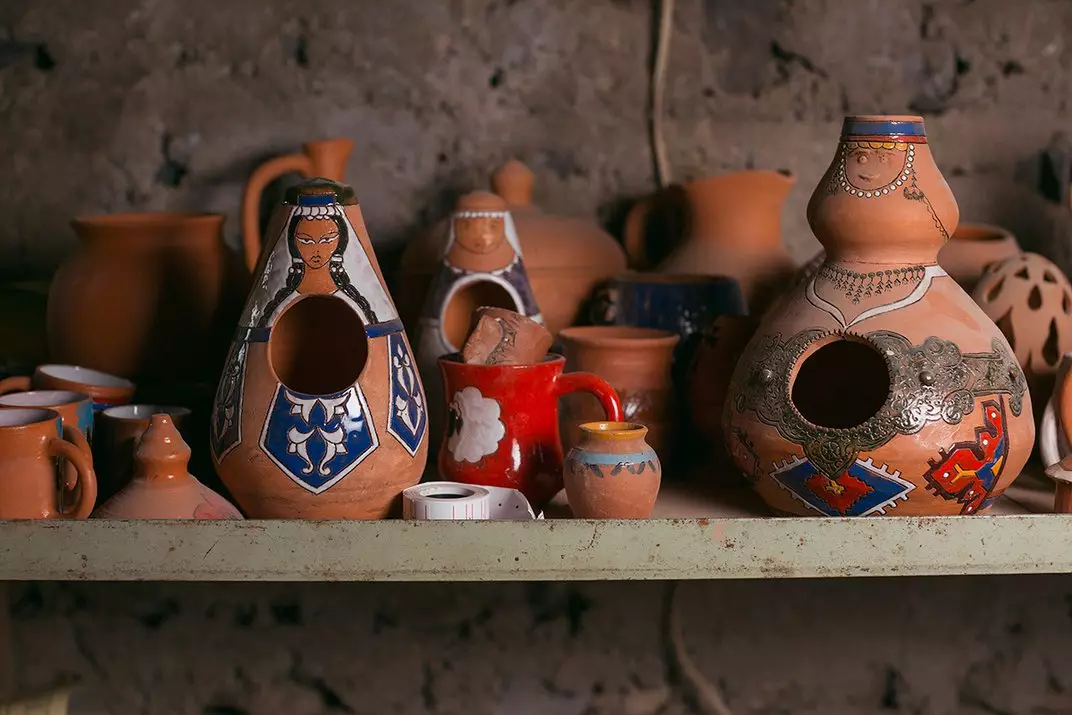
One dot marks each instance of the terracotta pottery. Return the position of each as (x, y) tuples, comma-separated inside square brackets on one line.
[(481, 266), (636, 362), (74, 408), (105, 390), (503, 426), (880, 387), (721, 345), (565, 257), (320, 412), (723, 225), (325, 159), (31, 442), (162, 487), (149, 296), (503, 337), (612, 473), (1030, 299), (973, 247), (118, 432), (1052, 444)]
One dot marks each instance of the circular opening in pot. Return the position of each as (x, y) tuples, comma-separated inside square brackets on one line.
[(458, 312), (318, 346), (841, 385)]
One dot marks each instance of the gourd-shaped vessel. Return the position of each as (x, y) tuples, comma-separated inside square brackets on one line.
[(320, 412), (878, 386)]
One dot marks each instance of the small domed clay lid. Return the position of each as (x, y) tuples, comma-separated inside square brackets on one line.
[(162, 453), (480, 202), (513, 181)]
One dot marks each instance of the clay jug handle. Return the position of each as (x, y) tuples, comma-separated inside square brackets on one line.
[(633, 234), (19, 383), (258, 181), (587, 382), (71, 449)]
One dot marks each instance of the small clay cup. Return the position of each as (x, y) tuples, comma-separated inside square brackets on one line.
[(31, 440), (118, 431), (104, 389), (75, 408), (612, 473)]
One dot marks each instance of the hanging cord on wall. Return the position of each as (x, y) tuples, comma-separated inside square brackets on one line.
[(704, 694), (658, 88)]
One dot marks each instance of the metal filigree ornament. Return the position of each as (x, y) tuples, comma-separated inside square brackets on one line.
[(928, 382)]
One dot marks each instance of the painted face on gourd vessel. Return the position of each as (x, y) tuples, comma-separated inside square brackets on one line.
[(479, 234), (875, 168), (316, 241)]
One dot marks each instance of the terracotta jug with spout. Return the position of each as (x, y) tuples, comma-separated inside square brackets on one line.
[(149, 296), (722, 225), (878, 387), (325, 159)]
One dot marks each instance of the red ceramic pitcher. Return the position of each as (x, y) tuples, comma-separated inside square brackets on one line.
[(502, 428)]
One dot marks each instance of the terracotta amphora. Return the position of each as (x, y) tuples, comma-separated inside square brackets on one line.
[(325, 159), (612, 472), (1030, 299), (31, 442), (162, 488), (320, 412), (729, 225), (565, 257), (972, 248), (879, 386), (149, 296)]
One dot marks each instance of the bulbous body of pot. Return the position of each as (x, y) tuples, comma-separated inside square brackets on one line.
[(148, 296), (612, 472), (878, 386), (320, 413)]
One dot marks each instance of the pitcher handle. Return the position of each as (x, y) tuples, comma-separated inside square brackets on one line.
[(71, 449), (258, 181), (19, 383), (594, 384)]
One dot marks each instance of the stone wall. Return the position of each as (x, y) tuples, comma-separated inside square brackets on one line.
[(119, 105)]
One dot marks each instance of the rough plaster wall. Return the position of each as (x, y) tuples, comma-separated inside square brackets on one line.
[(957, 646), (114, 105)]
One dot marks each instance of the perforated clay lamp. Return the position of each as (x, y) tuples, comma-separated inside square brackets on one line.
[(1030, 299), (320, 412), (162, 488), (878, 386)]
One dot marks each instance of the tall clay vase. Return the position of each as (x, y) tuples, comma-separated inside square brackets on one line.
[(162, 488), (325, 159), (880, 387), (636, 362), (729, 224), (612, 472), (320, 412), (972, 248), (566, 257), (148, 296)]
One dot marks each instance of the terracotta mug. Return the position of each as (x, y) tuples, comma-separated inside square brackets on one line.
[(74, 408), (105, 390), (31, 439), (502, 427), (118, 431)]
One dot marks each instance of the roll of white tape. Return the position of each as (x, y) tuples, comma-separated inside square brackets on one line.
[(446, 500)]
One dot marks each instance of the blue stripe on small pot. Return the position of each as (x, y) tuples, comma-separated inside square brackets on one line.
[(878, 126)]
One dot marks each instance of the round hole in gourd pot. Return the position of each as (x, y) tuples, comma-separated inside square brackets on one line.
[(841, 384), (318, 346), (458, 312)]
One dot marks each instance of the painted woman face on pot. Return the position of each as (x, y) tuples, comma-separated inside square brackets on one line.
[(316, 240), (873, 165), (481, 234)]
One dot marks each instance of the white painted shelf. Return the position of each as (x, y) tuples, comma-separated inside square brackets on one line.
[(713, 535)]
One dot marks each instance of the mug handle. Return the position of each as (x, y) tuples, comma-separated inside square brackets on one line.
[(258, 181), (70, 449), (19, 383), (587, 382)]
